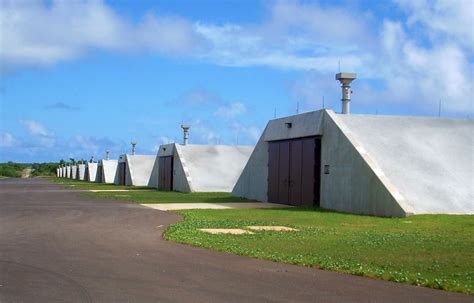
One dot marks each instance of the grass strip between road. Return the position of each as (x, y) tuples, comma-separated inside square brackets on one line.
[(144, 195), (155, 197), (86, 185), (429, 250)]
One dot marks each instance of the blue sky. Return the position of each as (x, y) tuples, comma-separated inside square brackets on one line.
[(82, 77)]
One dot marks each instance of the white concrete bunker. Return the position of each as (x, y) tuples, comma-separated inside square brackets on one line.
[(136, 170), (81, 172), (107, 171), (91, 174), (379, 165), (200, 168)]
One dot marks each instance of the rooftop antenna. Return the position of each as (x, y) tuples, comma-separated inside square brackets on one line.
[(134, 146), (185, 128), (339, 64), (107, 155), (275, 113), (323, 103), (298, 107), (346, 79)]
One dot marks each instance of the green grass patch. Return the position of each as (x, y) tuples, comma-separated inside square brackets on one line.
[(154, 196), (79, 184), (429, 250), (144, 195)]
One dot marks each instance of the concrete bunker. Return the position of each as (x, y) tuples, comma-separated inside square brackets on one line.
[(136, 170), (91, 172), (81, 172), (200, 168), (73, 171), (107, 171), (377, 165), (68, 172)]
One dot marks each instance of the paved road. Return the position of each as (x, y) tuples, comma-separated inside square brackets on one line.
[(57, 247)]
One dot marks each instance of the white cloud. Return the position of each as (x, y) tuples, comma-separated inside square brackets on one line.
[(231, 110), (35, 128), (450, 19), (296, 36), (245, 134), (424, 56), (7, 140), (37, 34)]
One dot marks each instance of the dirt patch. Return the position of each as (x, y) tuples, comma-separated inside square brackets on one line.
[(26, 173), (230, 231)]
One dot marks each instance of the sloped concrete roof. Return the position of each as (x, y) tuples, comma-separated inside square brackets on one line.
[(429, 160)]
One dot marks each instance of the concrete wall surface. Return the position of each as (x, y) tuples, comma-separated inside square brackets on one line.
[(109, 171), (81, 171), (139, 169), (213, 168), (73, 171), (91, 169), (430, 161)]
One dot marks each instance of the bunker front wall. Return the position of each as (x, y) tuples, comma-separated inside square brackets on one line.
[(91, 172), (109, 171), (139, 169), (73, 172), (213, 168), (81, 171), (180, 177)]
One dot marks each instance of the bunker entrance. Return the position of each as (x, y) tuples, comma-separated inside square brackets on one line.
[(294, 171), (122, 170), (165, 180)]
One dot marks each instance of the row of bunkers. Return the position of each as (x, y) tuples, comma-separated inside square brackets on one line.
[(391, 166), (184, 168)]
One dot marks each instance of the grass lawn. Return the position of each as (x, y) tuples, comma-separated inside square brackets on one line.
[(78, 184), (154, 196), (143, 195), (430, 250)]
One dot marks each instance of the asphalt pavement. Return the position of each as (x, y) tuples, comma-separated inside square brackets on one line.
[(58, 247)]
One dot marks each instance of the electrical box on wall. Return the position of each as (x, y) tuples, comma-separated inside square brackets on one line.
[(326, 169)]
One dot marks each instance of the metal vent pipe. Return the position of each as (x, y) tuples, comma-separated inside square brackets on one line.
[(346, 79), (185, 133)]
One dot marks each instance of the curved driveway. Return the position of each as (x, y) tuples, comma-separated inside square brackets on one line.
[(57, 247)]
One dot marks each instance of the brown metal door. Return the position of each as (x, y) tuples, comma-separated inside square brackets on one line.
[(166, 173), (308, 173), (317, 172), (284, 172), (273, 171), (294, 182), (294, 171), (122, 169)]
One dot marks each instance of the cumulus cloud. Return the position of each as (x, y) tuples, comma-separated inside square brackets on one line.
[(37, 34), (35, 128), (7, 140), (421, 57), (231, 110), (296, 36)]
